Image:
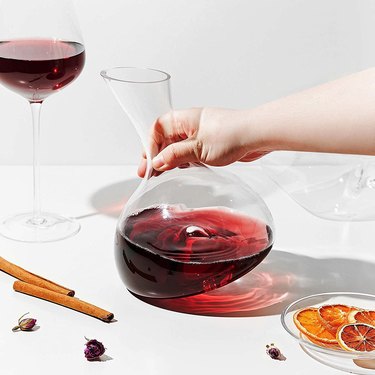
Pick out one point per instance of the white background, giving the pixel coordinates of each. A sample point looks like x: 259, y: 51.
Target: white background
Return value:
x: 231, y: 53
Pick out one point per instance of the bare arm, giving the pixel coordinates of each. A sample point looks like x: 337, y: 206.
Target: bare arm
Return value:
x: 336, y: 117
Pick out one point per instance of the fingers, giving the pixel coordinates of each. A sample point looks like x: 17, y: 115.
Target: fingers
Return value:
x: 142, y: 167
x: 176, y: 154
x: 171, y: 142
x: 163, y: 132
x: 174, y: 126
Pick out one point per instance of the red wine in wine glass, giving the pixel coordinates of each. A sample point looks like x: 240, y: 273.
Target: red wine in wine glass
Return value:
x: 37, y: 68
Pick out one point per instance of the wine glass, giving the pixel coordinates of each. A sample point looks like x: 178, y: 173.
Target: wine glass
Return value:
x: 41, y: 52
x: 330, y: 186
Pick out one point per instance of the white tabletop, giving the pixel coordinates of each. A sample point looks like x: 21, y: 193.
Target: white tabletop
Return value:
x: 310, y: 255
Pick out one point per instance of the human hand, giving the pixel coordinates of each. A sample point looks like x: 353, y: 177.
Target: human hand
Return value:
x: 211, y: 136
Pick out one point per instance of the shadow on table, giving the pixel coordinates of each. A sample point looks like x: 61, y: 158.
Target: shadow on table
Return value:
x: 282, y: 278
x: 111, y: 199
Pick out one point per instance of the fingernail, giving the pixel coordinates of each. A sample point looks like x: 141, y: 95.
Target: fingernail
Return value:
x: 158, y: 161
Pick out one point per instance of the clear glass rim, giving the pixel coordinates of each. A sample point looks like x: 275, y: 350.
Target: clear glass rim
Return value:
x: 106, y: 74
x: 302, y: 341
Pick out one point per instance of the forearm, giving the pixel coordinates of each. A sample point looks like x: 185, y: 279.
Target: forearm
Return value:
x: 335, y: 117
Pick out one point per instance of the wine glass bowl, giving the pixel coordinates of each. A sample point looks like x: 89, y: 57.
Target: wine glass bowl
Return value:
x: 189, y: 230
x: 330, y: 186
x: 37, y: 68
x: 41, y: 52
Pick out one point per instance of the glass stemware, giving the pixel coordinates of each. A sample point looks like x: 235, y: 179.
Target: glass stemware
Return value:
x: 41, y: 52
x: 189, y: 230
x: 330, y: 186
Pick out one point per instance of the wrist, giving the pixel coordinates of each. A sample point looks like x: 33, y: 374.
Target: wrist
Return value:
x: 260, y: 132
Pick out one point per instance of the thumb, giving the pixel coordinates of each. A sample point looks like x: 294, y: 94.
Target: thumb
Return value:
x: 175, y: 155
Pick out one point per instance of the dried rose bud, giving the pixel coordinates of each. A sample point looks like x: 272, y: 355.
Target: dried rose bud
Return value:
x: 25, y: 324
x: 94, y: 349
x: 274, y: 352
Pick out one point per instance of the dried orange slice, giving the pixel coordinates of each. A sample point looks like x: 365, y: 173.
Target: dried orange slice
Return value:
x: 309, y: 323
x: 334, y: 345
x: 334, y: 316
x: 356, y: 337
x: 364, y: 316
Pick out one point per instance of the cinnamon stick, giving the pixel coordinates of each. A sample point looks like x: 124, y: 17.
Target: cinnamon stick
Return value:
x: 64, y: 300
x: 31, y: 278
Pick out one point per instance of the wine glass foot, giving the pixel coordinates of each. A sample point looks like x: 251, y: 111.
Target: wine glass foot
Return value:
x: 371, y: 182
x: 48, y: 227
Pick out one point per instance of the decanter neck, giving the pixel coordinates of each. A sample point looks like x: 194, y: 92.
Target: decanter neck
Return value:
x: 144, y: 95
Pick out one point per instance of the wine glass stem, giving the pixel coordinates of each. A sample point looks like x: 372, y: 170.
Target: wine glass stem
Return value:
x: 37, y: 218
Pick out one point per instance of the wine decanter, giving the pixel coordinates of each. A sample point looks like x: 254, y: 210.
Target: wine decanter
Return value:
x: 187, y: 230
